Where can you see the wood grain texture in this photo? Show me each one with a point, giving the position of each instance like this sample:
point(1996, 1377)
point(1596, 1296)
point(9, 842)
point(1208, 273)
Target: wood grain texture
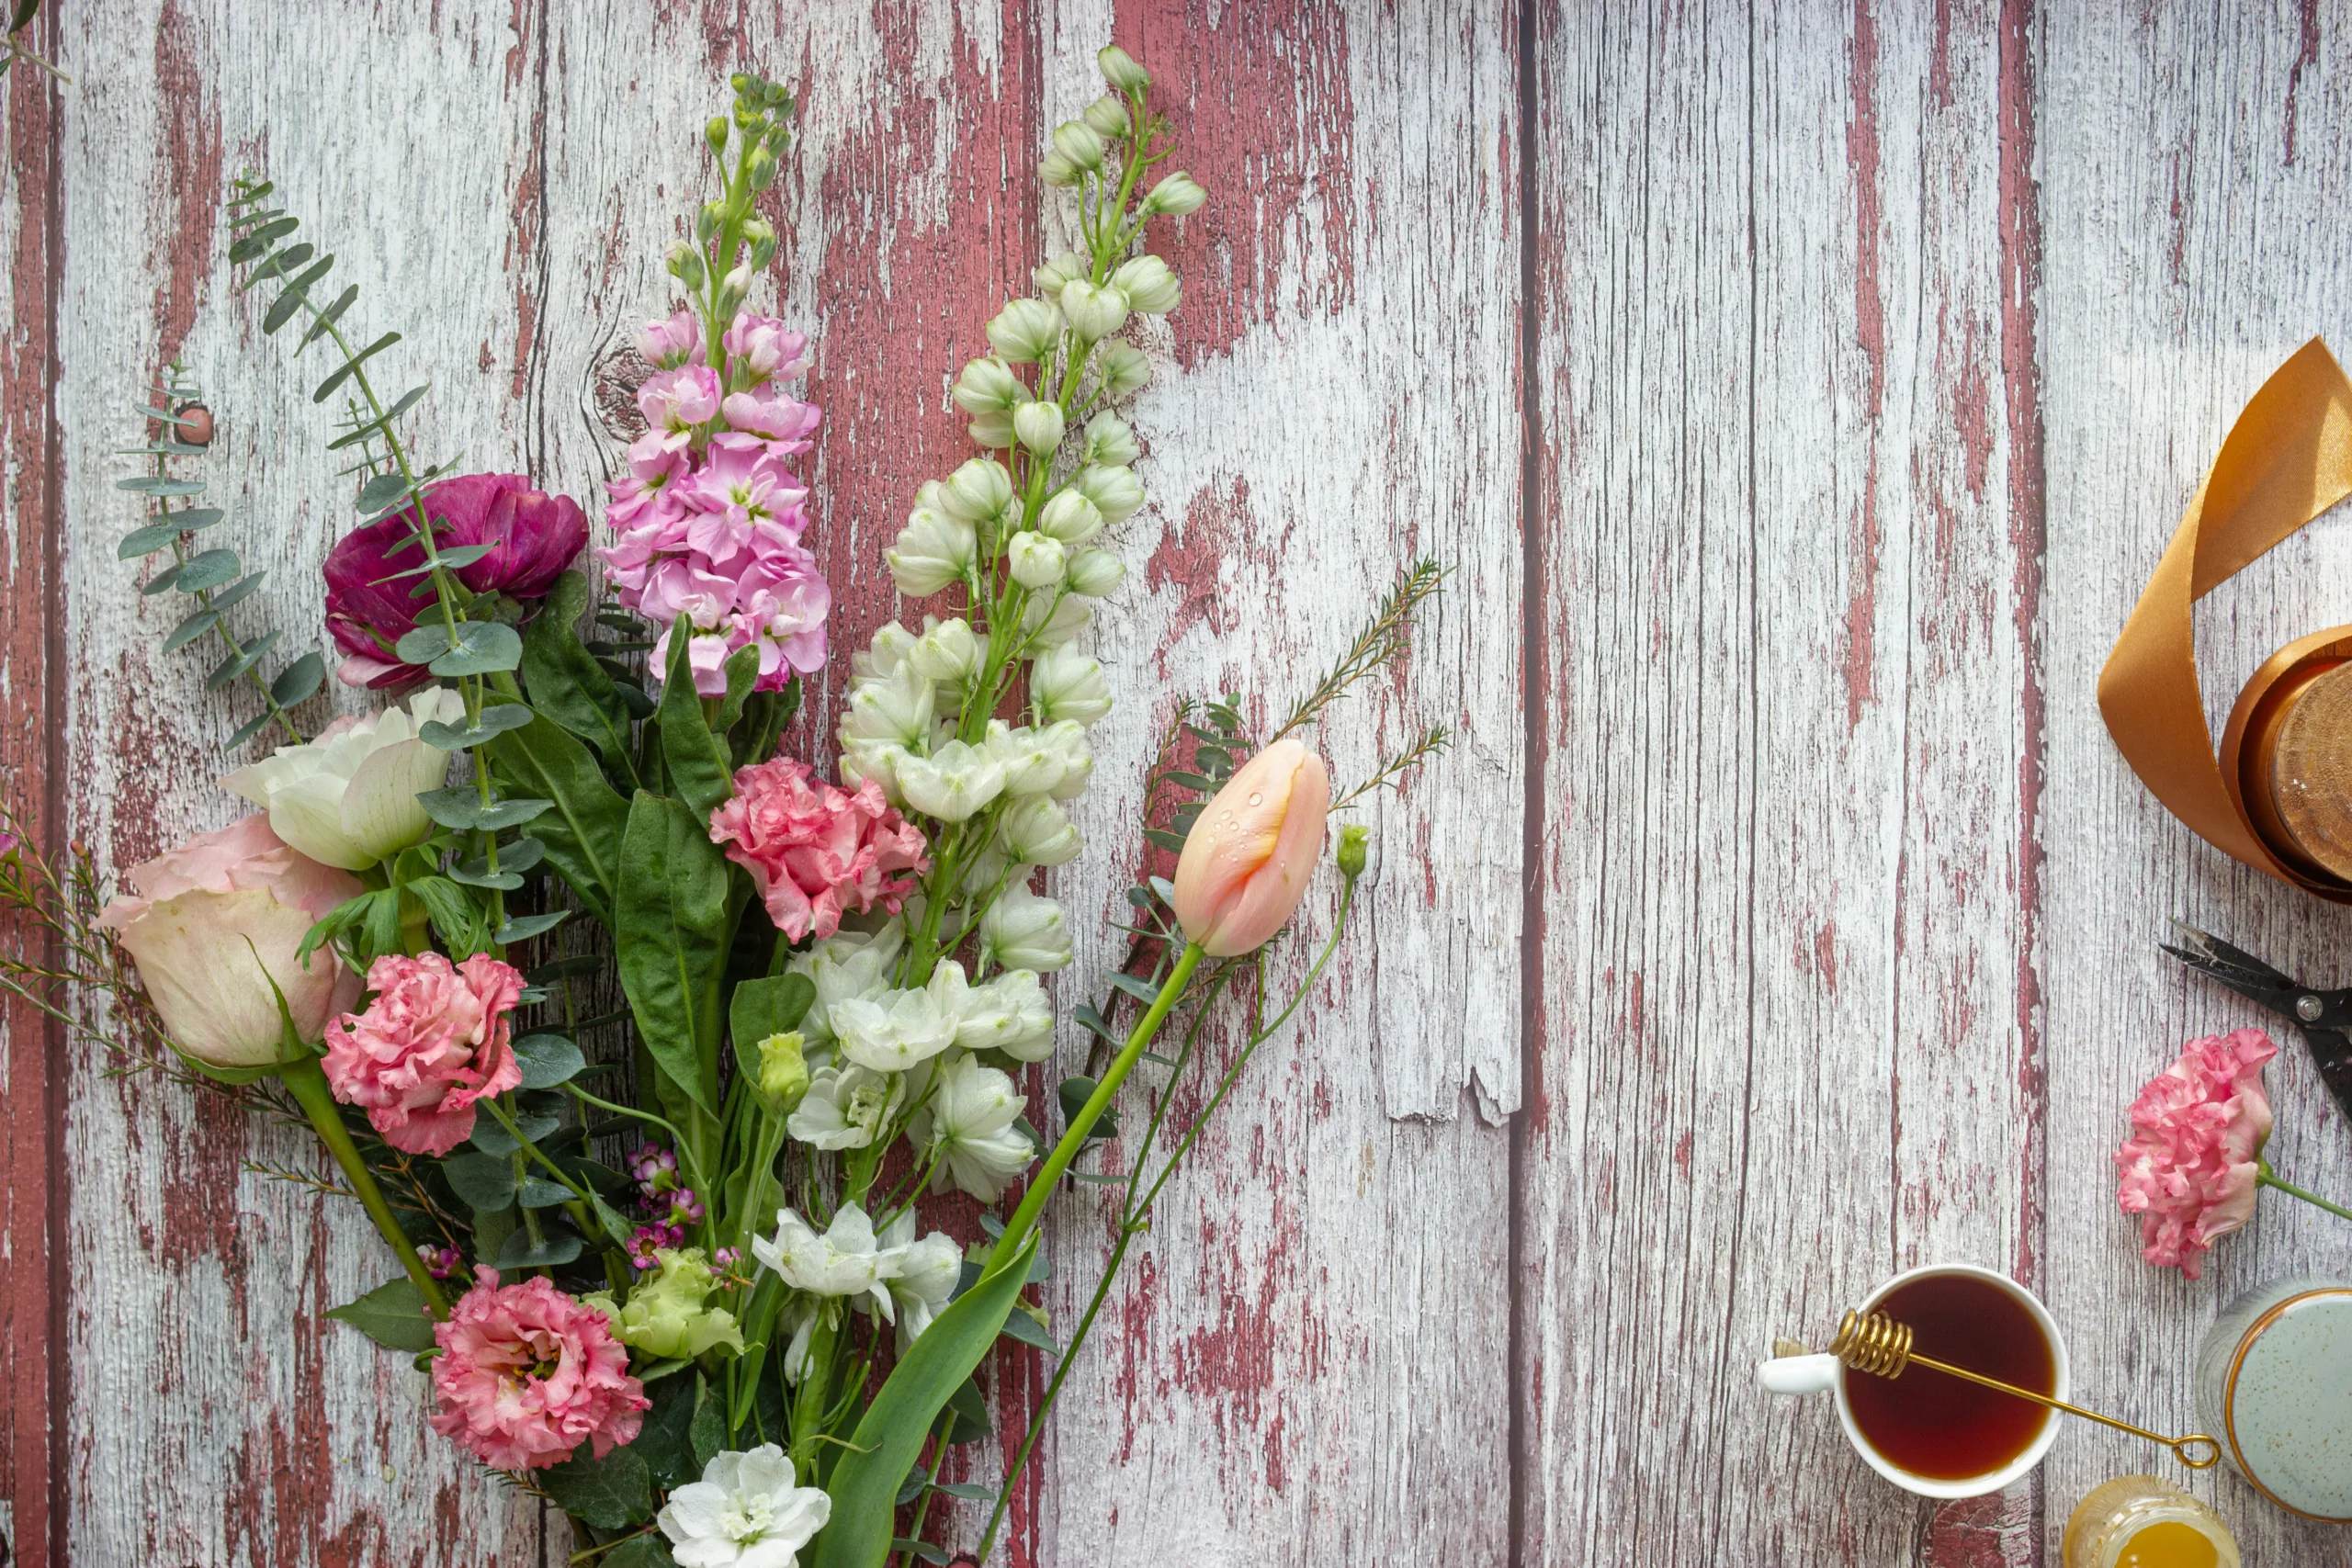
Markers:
point(1788, 1040)
point(33, 1192)
point(2194, 168)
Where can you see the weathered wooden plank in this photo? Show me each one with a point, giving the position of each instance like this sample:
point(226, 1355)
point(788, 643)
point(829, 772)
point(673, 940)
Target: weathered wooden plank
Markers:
point(32, 1184)
point(216, 1416)
point(2193, 164)
point(1302, 1365)
point(1787, 920)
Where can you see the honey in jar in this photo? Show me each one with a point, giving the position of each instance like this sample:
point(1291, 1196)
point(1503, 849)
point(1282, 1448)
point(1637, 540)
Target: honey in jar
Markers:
point(2141, 1521)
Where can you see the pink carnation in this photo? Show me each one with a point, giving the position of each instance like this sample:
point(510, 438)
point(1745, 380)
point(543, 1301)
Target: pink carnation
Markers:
point(433, 1041)
point(817, 852)
point(525, 1373)
point(2190, 1169)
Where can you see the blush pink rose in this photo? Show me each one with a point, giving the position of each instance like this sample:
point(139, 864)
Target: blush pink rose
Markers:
point(526, 1374)
point(817, 852)
point(209, 921)
point(2191, 1166)
point(433, 1041)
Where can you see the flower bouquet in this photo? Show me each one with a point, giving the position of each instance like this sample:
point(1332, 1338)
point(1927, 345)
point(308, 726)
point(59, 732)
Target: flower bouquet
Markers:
point(646, 1047)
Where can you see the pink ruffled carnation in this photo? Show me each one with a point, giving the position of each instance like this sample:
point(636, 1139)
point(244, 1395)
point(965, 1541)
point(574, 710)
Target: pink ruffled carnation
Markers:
point(2189, 1168)
point(815, 851)
point(526, 1373)
point(710, 514)
point(433, 1041)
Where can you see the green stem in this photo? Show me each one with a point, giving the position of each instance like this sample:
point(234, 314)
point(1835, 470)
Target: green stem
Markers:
point(2264, 1176)
point(308, 1083)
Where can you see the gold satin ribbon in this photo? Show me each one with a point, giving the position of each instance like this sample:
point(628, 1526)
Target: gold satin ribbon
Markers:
point(2288, 459)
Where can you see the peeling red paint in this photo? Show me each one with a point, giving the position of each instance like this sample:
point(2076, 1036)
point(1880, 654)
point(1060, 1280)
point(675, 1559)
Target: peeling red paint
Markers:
point(1991, 1531)
point(1858, 659)
point(191, 143)
point(1217, 529)
point(1825, 955)
point(2305, 58)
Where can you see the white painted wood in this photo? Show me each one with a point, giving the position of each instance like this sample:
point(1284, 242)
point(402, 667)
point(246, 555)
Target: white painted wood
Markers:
point(1783, 1054)
point(2194, 168)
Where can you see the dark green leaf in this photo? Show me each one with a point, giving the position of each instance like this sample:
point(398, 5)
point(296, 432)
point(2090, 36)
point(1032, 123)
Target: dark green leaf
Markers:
point(239, 590)
point(1192, 781)
point(189, 629)
point(297, 680)
point(917, 1481)
point(548, 1060)
point(368, 427)
point(772, 1005)
point(559, 1246)
point(525, 927)
point(1088, 1018)
point(481, 1180)
point(1074, 1093)
point(155, 485)
point(743, 669)
point(210, 569)
point(663, 1442)
point(670, 939)
point(972, 1407)
point(582, 829)
point(161, 580)
point(383, 928)
point(648, 1551)
point(577, 968)
point(146, 541)
point(342, 372)
point(699, 768)
point(482, 648)
point(392, 1316)
point(616, 1225)
point(493, 721)
point(611, 1493)
point(569, 688)
point(1135, 986)
point(708, 1433)
point(891, 1436)
point(328, 317)
point(920, 1549)
point(457, 917)
point(1019, 1325)
point(537, 1193)
point(968, 1491)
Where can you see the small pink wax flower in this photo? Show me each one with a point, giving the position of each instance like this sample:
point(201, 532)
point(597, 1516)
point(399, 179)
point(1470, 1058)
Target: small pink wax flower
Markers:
point(433, 1041)
point(2193, 1162)
point(526, 1373)
point(815, 851)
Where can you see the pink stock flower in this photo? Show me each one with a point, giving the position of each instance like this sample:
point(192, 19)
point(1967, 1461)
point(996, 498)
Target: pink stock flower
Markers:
point(433, 1041)
point(762, 345)
point(769, 422)
point(372, 601)
point(674, 402)
point(672, 341)
point(817, 852)
point(2193, 1162)
point(526, 1374)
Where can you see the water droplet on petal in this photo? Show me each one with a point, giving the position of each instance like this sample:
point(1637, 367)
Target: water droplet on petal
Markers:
point(1255, 798)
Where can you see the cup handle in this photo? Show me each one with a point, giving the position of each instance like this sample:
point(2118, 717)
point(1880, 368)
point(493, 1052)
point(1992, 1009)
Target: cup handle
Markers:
point(1797, 1374)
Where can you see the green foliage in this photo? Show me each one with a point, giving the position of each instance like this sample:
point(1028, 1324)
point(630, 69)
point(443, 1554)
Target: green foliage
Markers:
point(392, 1316)
point(583, 825)
point(699, 767)
point(771, 1005)
point(568, 688)
point(612, 1492)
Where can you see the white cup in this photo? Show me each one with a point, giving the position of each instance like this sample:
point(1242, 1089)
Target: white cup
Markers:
point(1820, 1374)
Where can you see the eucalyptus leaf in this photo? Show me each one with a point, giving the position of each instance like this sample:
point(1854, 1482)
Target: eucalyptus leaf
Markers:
point(248, 730)
point(1074, 1092)
point(422, 644)
point(368, 427)
point(159, 486)
point(239, 590)
point(473, 874)
point(146, 541)
point(394, 1316)
point(525, 927)
point(557, 1245)
point(344, 371)
point(235, 666)
point(481, 1180)
point(381, 492)
point(548, 1060)
point(1020, 1325)
point(493, 1138)
point(208, 569)
point(494, 721)
point(482, 648)
point(297, 680)
point(190, 629)
point(538, 1193)
point(162, 580)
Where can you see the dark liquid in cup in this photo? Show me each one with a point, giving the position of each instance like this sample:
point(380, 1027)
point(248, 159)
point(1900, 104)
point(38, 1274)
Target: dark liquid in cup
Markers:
point(1944, 1428)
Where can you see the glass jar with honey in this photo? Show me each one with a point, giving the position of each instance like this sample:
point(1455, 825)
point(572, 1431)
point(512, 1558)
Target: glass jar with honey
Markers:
point(2141, 1521)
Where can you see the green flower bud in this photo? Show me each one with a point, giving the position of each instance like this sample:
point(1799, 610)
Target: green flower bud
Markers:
point(1036, 560)
point(716, 133)
point(1076, 140)
point(988, 385)
point(1111, 440)
point(1096, 572)
point(1149, 285)
point(706, 221)
point(1119, 68)
point(732, 290)
point(685, 264)
point(1176, 196)
point(763, 167)
point(784, 1071)
point(742, 83)
point(1352, 850)
point(1024, 331)
point(1123, 367)
point(1107, 115)
point(1070, 517)
point(1050, 278)
point(1056, 170)
point(1039, 425)
point(1095, 312)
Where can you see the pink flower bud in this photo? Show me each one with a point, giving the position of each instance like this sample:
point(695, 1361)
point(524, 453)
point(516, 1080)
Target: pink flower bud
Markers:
point(1251, 849)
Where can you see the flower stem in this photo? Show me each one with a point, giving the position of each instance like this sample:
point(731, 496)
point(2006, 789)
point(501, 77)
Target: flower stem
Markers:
point(2264, 1176)
point(307, 1084)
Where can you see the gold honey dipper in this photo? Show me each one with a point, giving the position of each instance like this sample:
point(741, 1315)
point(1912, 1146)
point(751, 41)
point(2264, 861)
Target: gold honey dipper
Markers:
point(1878, 1344)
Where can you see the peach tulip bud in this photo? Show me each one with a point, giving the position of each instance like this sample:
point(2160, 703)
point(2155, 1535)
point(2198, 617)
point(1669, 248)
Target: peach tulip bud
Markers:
point(1251, 849)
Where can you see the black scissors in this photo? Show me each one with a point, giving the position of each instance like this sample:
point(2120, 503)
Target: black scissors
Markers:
point(2325, 1017)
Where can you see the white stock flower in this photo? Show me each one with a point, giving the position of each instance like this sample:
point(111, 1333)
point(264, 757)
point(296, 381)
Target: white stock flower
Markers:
point(845, 1106)
point(894, 1031)
point(847, 965)
point(876, 760)
point(1066, 684)
point(1096, 572)
point(1096, 310)
point(1149, 284)
point(1034, 832)
point(1022, 931)
point(928, 1271)
point(1009, 1014)
point(969, 1121)
point(1115, 493)
point(1111, 440)
point(1123, 367)
point(889, 647)
point(745, 1512)
point(1107, 115)
point(1050, 276)
point(1069, 517)
point(844, 1261)
point(948, 651)
point(1081, 143)
point(1039, 425)
point(1176, 196)
point(933, 550)
point(1035, 759)
point(1036, 560)
point(1119, 68)
point(1025, 330)
point(348, 798)
point(898, 706)
point(951, 783)
point(989, 384)
point(980, 491)
point(1052, 620)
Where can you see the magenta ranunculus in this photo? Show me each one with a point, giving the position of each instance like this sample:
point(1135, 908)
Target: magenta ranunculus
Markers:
point(534, 537)
point(527, 1374)
point(2193, 1162)
point(435, 1040)
point(817, 852)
